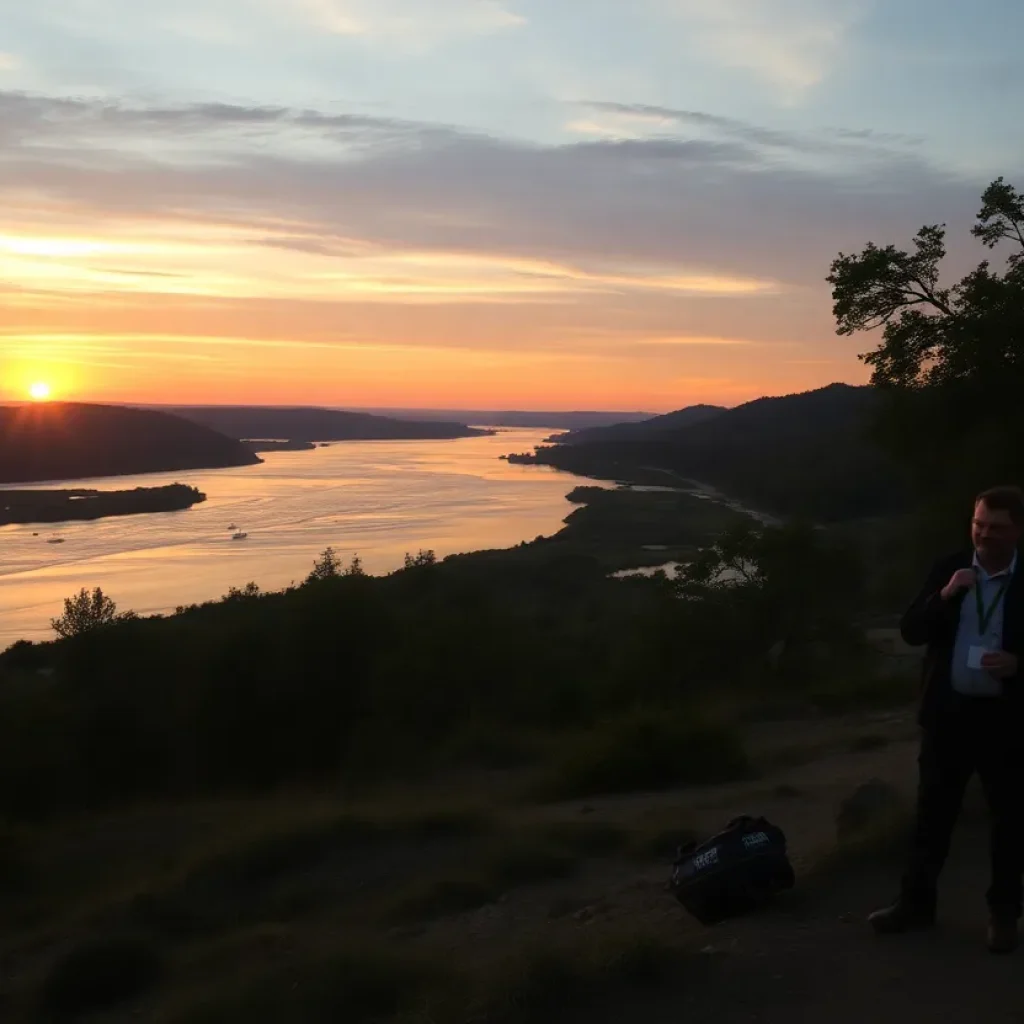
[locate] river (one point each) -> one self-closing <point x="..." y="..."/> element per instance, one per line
<point x="377" y="499"/>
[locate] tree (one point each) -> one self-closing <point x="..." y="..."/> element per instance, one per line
<point x="86" y="612"/>
<point x="935" y="336"/>
<point x="790" y="586"/>
<point x="951" y="359"/>
<point x="326" y="567"/>
<point x="420" y="560"/>
<point x="355" y="567"/>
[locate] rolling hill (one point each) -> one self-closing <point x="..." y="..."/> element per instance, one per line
<point x="561" y="420"/>
<point x="70" y="440"/>
<point x="639" y="430"/>
<point x="315" y="424"/>
<point x="805" y="454"/>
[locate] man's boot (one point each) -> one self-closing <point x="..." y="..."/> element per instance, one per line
<point x="902" y="917"/>
<point x="1002" y="933"/>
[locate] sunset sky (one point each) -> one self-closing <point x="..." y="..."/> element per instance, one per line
<point x="539" y="204"/>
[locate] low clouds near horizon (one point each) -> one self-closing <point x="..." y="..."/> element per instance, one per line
<point x="576" y="232"/>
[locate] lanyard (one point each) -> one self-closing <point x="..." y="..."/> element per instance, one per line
<point x="985" y="617"/>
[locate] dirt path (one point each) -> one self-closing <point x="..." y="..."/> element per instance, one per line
<point x="814" y="959"/>
<point x="817" y="961"/>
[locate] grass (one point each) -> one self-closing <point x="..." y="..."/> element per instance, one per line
<point x="649" y="750"/>
<point x="290" y="868"/>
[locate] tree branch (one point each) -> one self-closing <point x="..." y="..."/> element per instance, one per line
<point x="926" y="295"/>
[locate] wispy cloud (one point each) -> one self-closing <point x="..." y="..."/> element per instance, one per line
<point x="685" y="339"/>
<point x="316" y="231"/>
<point x="792" y="45"/>
<point x="637" y="120"/>
<point x="411" y="23"/>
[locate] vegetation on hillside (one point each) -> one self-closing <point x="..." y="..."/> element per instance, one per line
<point x="806" y="455"/>
<point x="354" y="677"/>
<point x="68" y="440"/>
<point x="312" y="424"/>
<point x="57" y="506"/>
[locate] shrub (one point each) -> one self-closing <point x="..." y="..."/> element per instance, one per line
<point x="86" y="612"/>
<point x="651" y="750"/>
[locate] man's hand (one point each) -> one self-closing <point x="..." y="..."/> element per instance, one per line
<point x="962" y="579"/>
<point x="1000" y="664"/>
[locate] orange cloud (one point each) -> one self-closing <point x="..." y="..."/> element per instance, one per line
<point x="265" y="254"/>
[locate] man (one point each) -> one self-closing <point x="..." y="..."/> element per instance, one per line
<point x="970" y="614"/>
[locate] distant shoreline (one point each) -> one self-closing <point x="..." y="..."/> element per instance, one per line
<point x="26" y="507"/>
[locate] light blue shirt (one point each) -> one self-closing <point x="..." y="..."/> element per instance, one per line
<point x="976" y="682"/>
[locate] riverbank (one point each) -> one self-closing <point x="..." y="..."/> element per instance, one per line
<point x="623" y="528"/>
<point x="378" y="500"/>
<point x="25" y="507"/>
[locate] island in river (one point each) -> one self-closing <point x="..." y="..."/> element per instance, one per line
<point x="41" y="506"/>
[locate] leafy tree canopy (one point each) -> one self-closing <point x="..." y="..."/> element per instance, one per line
<point x="951" y="357"/>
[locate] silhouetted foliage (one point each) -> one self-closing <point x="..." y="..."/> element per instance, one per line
<point x="361" y="678"/>
<point x="86" y="612"/>
<point x="70" y="440"/>
<point x="951" y="358"/>
<point x="807" y="455"/>
<point x="420" y="559"/>
<point x="790" y="587"/>
<point x="326" y="567"/>
<point x="312" y="424"/>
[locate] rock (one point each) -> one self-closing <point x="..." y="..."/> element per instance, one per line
<point x="583" y="915"/>
<point x="870" y="804"/>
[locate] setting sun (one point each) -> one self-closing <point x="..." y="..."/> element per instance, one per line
<point x="39" y="391"/>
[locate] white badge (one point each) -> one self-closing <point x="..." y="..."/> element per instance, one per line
<point x="975" y="654"/>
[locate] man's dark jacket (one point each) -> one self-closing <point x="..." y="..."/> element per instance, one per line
<point x="934" y="622"/>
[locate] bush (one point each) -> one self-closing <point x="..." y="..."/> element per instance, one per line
<point x="101" y="973"/>
<point x="651" y="750"/>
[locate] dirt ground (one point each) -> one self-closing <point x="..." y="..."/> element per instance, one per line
<point x="811" y="958"/>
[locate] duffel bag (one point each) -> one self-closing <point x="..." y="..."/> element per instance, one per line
<point x="734" y="872"/>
